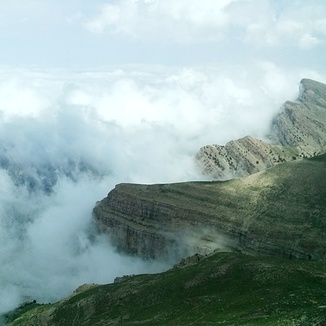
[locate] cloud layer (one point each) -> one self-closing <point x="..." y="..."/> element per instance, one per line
<point x="263" y="23"/>
<point x="67" y="137"/>
<point x="79" y="33"/>
<point x="101" y="92"/>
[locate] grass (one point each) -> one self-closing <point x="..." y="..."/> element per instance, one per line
<point x="226" y="288"/>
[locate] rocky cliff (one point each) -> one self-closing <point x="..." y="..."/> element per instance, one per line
<point x="297" y="131"/>
<point x="280" y="212"/>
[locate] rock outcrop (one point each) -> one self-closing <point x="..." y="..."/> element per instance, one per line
<point x="280" y="212"/>
<point x="298" y="131"/>
<point x="303" y="122"/>
<point x="246" y="156"/>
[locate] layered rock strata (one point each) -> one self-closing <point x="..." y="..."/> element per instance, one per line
<point x="246" y="156"/>
<point x="303" y="122"/>
<point x="297" y="131"/>
<point x="280" y="211"/>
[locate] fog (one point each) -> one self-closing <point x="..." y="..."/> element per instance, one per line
<point x="126" y="91"/>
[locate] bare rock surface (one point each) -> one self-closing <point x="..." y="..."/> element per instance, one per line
<point x="298" y="131"/>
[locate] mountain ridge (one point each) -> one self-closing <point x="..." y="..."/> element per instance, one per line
<point x="297" y="131"/>
<point x="272" y="212"/>
<point x="259" y="238"/>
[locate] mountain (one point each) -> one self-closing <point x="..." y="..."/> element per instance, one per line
<point x="222" y="288"/>
<point x="303" y="122"/>
<point x="297" y="131"/>
<point x="280" y="212"/>
<point x="43" y="177"/>
<point x="256" y="242"/>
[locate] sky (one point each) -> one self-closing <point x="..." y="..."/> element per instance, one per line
<point x="81" y="33"/>
<point x="95" y="93"/>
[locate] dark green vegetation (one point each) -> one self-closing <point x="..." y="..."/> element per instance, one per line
<point x="222" y="288"/>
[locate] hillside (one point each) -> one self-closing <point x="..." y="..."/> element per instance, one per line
<point x="223" y="288"/>
<point x="280" y="212"/>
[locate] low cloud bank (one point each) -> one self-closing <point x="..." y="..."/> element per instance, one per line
<point x="68" y="137"/>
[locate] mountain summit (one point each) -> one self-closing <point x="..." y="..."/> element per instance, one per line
<point x="297" y="131"/>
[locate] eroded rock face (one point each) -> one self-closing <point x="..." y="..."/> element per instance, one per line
<point x="246" y="156"/>
<point x="303" y="123"/>
<point x="298" y="131"/>
<point x="279" y="212"/>
<point x="150" y="221"/>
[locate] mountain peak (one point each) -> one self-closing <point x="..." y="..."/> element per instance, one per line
<point x="312" y="92"/>
<point x="297" y="131"/>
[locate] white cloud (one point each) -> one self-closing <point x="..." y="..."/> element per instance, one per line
<point x="109" y="16"/>
<point x="17" y="98"/>
<point x="308" y="41"/>
<point x="125" y="31"/>
<point x="196" y="21"/>
<point x="299" y="24"/>
<point x="177" y="20"/>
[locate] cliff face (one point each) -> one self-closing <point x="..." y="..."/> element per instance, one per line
<point x="298" y="131"/>
<point x="134" y="223"/>
<point x="280" y="211"/>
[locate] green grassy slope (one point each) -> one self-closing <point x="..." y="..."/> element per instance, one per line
<point x="223" y="288"/>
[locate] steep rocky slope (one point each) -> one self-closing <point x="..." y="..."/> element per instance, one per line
<point x="303" y="122"/>
<point x="246" y="156"/>
<point x="280" y="211"/>
<point x="298" y="131"/>
<point x="223" y="288"/>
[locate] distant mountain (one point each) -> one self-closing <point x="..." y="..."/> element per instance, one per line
<point x="297" y="131"/>
<point x="43" y="177"/>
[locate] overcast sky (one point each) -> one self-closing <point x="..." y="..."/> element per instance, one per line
<point x="170" y="32"/>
